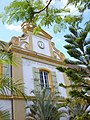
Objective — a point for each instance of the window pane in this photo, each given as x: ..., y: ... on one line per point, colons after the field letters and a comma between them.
x: 41, y: 79
x: 6, y: 105
x: 6, y: 70
x: 44, y: 79
x: 6, y: 74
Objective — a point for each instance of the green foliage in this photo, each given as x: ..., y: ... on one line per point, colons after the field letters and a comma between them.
x: 37, y: 13
x: 4, y: 115
x: 45, y: 107
x: 4, y: 46
x: 87, y: 42
x: 73, y: 19
x: 58, y: 27
x: 73, y: 62
x: 79, y: 45
x: 85, y: 116
x: 88, y: 50
x: 58, y: 19
x: 7, y: 85
x: 78, y: 109
x: 37, y: 30
x: 74, y: 53
x: 18, y: 10
x: 82, y: 5
x: 77, y: 77
x: 78, y: 72
x: 6, y: 56
x: 69, y: 47
x: 74, y: 31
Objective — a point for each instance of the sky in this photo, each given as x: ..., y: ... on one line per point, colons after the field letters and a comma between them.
x: 7, y: 31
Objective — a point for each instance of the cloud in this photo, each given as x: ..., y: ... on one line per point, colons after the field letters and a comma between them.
x: 73, y: 9
x: 46, y: 1
x: 61, y: 4
x: 53, y: 2
x: 56, y: 41
x: 64, y: 2
x: 12, y: 27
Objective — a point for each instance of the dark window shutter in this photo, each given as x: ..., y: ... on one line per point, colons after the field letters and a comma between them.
x: 36, y: 77
x: 54, y: 80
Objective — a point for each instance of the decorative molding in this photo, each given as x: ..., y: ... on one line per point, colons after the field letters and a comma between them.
x: 29, y: 62
x: 26, y: 27
x: 25, y: 41
x: 56, y: 53
x: 22, y: 98
x: 37, y: 57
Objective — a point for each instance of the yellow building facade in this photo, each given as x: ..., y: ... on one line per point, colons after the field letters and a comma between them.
x: 36, y: 58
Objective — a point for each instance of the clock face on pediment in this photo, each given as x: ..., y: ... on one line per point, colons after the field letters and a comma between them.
x: 40, y: 45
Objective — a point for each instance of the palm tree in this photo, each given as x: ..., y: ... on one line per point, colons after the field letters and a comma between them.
x: 45, y: 107
x: 4, y: 115
x: 7, y: 86
x: 6, y: 83
x: 6, y: 56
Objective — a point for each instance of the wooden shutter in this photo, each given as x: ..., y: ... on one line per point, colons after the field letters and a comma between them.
x: 36, y: 77
x: 54, y: 81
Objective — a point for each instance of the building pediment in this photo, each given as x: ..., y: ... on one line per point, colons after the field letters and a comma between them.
x: 26, y: 27
x: 40, y: 43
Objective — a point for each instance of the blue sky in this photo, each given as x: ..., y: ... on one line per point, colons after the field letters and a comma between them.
x: 7, y: 31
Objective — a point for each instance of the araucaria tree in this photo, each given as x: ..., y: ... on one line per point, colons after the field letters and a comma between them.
x: 78, y: 69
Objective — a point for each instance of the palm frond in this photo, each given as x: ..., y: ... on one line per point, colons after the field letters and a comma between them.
x: 44, y: 107
x: 4, y: 115
x: 8, y: 87
x: 4, y: 46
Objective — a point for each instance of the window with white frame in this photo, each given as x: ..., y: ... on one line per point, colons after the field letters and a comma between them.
x: 44, y: 79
